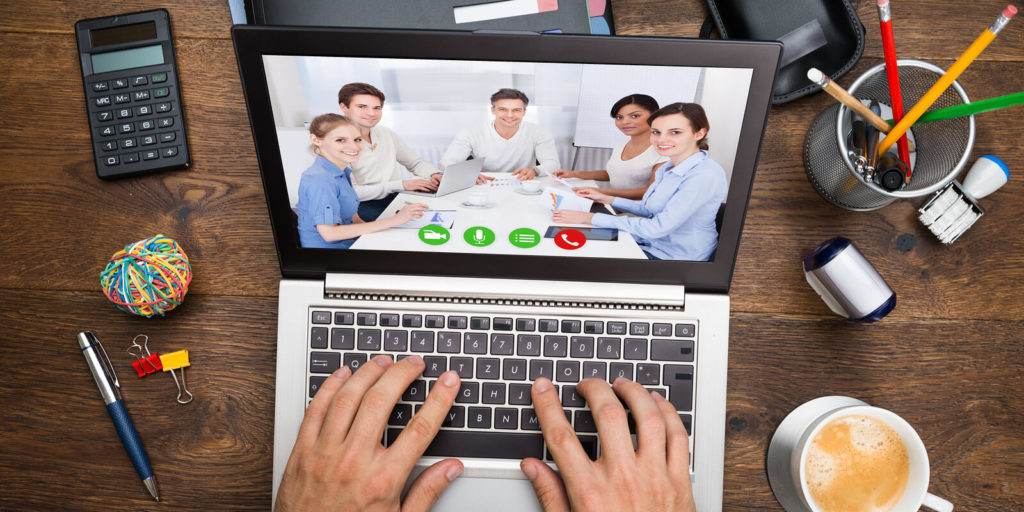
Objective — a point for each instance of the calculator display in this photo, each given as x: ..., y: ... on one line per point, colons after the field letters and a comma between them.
x: 127, y: 59
x: 123, y: 34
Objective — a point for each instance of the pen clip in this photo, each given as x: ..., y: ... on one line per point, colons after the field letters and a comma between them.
x: 108, y: 367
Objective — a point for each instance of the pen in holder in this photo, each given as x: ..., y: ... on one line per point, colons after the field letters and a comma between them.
x: 942, y: 148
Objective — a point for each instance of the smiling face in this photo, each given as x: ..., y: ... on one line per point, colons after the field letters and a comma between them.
x: 364, y: 109
x: 673, y: 136
x: 508, y: 113
x: 632, y: 120
x: 341, y: 145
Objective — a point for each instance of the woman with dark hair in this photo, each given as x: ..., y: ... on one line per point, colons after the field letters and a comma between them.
x: 675, y: 219
x: 631, y: 166
x: 327, y: 203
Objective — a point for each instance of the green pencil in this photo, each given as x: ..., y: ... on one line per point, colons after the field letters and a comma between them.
x: 968, y: 109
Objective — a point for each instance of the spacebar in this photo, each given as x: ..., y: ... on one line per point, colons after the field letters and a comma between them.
x: 496, y: 445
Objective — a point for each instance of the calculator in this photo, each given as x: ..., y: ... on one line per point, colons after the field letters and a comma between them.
x: 132, y: 94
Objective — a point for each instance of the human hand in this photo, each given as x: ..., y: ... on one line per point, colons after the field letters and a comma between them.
x: 564, y: 173
x: 338, y: 462
x: 420, y: 184
x: 654, y: 477
x: 481, y: 179
x: 436, y: 179
x: 526, y: 173
x: 409, y: 212
x: 593, y: 194
x: 571, y: 216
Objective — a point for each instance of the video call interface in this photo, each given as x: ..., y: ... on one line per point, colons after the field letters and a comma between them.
x: 514, y: 158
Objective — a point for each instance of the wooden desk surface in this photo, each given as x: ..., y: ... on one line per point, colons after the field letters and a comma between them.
x: 948, y: 359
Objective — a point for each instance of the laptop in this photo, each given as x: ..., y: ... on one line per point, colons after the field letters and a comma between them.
x: 498, y: 312
x: 456, y: 177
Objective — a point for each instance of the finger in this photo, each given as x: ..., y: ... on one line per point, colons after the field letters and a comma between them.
x: 650, y: 422
x: 676, y: 440
x: 313, y: 421
x: 546, y: 483
x: 423, y: 426
x: 346, y: 401
x: 427, y: 487
x: 558, y: 434
x: 380, y: 399
x: 610, y: 418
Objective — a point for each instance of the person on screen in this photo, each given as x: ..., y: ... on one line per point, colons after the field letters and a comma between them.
x: 375, y: 176
x: 630, y: 169
x: 675, y: 219
x: 328, y: 202
x: 508, y: 143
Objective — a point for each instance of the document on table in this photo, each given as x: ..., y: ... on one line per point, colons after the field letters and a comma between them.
x: 443, y: 218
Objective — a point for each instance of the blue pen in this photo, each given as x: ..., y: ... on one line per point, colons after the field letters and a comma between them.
x: 106, y: 379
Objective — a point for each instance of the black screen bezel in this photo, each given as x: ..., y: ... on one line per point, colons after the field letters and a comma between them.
x: 253, y: 42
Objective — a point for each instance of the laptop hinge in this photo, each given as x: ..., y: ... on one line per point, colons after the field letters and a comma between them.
x: 504, y: 291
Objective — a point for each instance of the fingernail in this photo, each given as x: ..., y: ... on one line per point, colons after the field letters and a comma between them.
x: 453, y: 472
x: 528, y: 469
x: 384, y: 361
x: 657, y: 396
x: 541, y: 385
x: 416, y: 360
x: 341, y: 372
x: 449, y: 378
x: 617, y: 379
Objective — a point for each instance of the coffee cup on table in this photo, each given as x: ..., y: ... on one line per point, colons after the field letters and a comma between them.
x: 477, y: 198
x: 841, y: 454
x: 531, y: 186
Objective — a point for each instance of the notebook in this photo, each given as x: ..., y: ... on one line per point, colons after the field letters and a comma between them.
x: 456, y: 177
x: 491, y: 297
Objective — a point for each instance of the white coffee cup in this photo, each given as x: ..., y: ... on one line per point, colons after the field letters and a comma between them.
x: 531, y: 186
x: 787, y: 454
x: 477, y: 198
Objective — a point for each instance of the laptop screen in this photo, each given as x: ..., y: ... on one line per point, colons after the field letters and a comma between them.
x: 562, y: 159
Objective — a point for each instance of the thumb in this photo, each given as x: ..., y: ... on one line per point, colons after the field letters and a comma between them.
x: 427, y: 487
x: 547, y: 484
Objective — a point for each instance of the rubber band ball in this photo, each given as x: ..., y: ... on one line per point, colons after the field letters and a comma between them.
x: 147, y: 278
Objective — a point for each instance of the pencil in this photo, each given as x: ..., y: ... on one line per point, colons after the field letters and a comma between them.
x: 969, y: 109
x: 947, y: 79
x: 836, y: 91
x: 892, y: 74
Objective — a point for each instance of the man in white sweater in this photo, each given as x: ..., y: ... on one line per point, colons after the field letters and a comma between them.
x: 507, y: 143
x: 375, y: 175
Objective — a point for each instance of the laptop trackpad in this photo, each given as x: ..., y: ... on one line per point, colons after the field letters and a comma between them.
x: 490, y: 494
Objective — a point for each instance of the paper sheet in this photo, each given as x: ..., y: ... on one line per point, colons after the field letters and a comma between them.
x: 443, y: 218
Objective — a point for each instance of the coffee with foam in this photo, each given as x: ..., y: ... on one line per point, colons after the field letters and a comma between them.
x: 857, y: 463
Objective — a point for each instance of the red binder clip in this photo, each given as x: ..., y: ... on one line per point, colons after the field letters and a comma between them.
x: 144, y: 364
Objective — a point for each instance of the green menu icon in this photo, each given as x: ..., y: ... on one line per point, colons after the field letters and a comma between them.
x: 524, y: 238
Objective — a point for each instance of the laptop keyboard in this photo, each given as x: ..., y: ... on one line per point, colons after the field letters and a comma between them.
x: 497, y: 358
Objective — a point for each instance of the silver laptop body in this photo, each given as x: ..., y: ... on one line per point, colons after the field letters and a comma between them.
x: 456, y: 177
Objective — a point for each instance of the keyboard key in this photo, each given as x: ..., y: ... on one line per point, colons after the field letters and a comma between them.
x: 147, y: 125
x: 449, y: 342
x: 469, y: 393
x: 169, y: 137
x: 636, y: 348
x: 548, y: 325
x: 124, y: 113
x: 672, y: 350
x: 456, y: 418
x: 314, y: 384
x: 595, y: 370
x: 463, y: 366
x: 150, y: 155
x: 130, y: 158
x: 148, y: 140
x: 141, y: 96
x: 479, y: 417
x: 169, y: 152
x: 493, y: 393
x: 369, y: 339
x: 422, y: 341
x: 162, y: 92
x: 119, y: 83
x: 529, y: 420
x: 158, y: 77
x: 343, y: 338
x: 131, y: 143
x: 513, y: 369
x: 104, y: 116
x: 162, y: 108
x: 617, y: 328
x: 111, y: 160
x: 165, y: 122
x: 99, y: 86
x: 679, y: 379
x: 542, y: 368
x: 416, y: 392
x: 324, y: 362
x: 639, y: 328
x: 686, y: 330
x: 412, y: 321
x: 624, y: 370
x: 125, y: 128
x: 570, y: 398
x: 400, y: 415
x: 584, y: 422
x: 555, y: 346
x: 663, y: 330
x: 593, y: 327
x: 519, y: 394
x: 140, y: 80
x: 687, y: 422
x: 144, y: 110
x: 434, y: 366
x: 344, y: 318
x: 396, y: 341
x: 454, y: 322
x: 480, y: 323
x: 501, y: 344
x: 526, y: 324
x: 366, y: 319
x: 528, y: 345
x: 476, y: 343
x: 388, y: 320
x: 502, y: 324
x: 582, y: 346
x: 495, y: 445
x: 506, y: 419
x: 318, y: 337
x: 122, y: 98
x: 571, y: 326
x: 567, y: 371
x: 354, y: 361
x: 589, y: 444
x: 648, y: 374
x: 608, y: 348
x: 661, y: 391
x: 488, y: 368
x: 109, y: 145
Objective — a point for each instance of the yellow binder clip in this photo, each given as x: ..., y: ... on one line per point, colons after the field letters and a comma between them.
x: 175, y: 361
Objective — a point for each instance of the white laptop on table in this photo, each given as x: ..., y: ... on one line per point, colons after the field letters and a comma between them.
x: 503, y: 318
x: 456, y: 177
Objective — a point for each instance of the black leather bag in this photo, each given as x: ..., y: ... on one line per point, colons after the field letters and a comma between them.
x: 825, y: 34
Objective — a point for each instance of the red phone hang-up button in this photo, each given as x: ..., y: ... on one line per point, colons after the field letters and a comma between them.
x: 570, y: 239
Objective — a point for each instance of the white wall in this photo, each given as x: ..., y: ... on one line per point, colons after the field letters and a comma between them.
x: 724, y: 97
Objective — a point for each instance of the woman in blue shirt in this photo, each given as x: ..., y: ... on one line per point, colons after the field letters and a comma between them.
x: 327, y: 202
x: 676, y: 216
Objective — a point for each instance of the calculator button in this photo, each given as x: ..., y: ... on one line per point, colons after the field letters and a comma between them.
x: 148, y: 139
x: 141, y: 95
x: 162, y: 92
x: 144, y: 110
x: 107, y: 131
x: 167, y: 137
x: 158, y: 77
x: 119, y: 83
x: 130, y: 158
x: 122, y: 98
x: 147, y: 125
x: 109, y: 145
x: 106, y: 115
x: 128, y: 143
x: 150, y: 155
x: 124, y: 113
x: 110, y: 160
x: 103, y: 101
x: 169, y: 152
x: 99, y: 86
x: 140, y: 80
x: 125, y: 128
x: 165, y: 122
x: 163, y: 107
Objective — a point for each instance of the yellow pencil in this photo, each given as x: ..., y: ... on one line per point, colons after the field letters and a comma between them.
x: 946, y: 80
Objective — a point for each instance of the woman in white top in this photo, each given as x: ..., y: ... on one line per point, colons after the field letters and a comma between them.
x: 631, y: 167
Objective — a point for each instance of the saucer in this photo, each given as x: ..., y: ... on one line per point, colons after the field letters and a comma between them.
x: 467, y: 204
x: 525, y: 193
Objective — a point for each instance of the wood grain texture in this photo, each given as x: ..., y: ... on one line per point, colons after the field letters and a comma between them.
x: 948, y: 359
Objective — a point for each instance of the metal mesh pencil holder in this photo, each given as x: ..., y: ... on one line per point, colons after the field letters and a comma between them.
x: 942, y: 147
